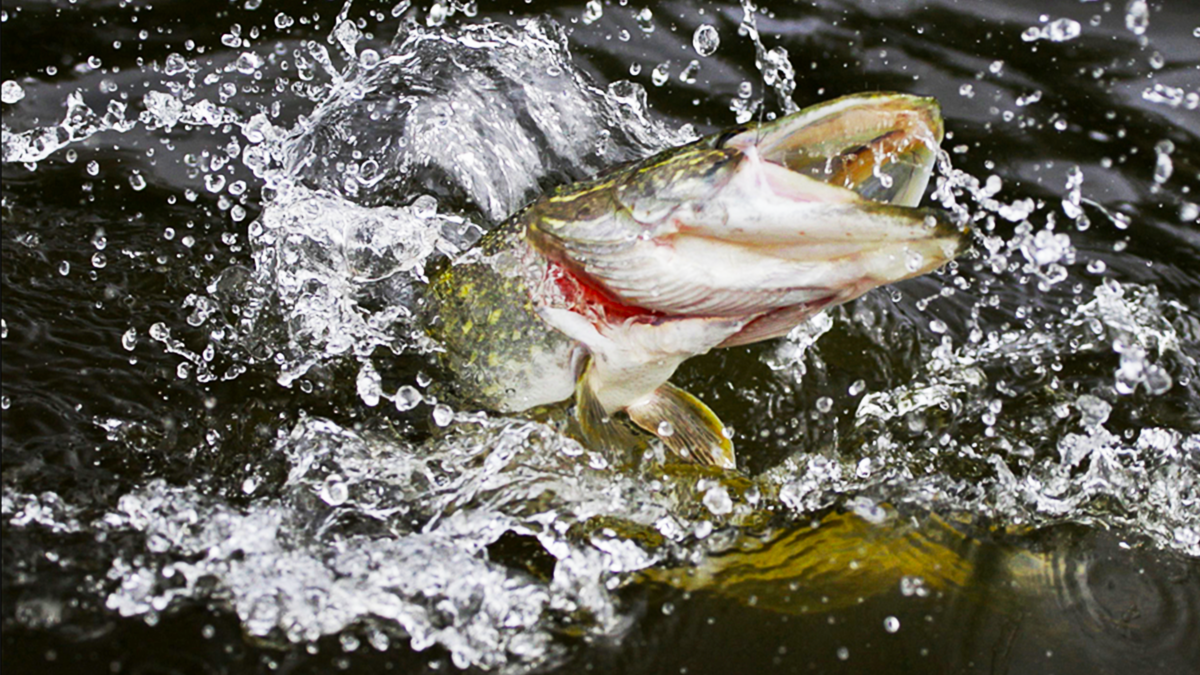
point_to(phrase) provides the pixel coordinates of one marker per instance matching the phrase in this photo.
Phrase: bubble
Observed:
(891, 624)
(843, 653)
(706, 39)
(11, 92)
(129, 339)
(665, 429)
(64, 268)
(137, 181)
(283, 21)
(824, 404)
(857, 388)
(98, 260)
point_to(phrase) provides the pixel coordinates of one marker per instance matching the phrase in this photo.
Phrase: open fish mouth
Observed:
(765, 224)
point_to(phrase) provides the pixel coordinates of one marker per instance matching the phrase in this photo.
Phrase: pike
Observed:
(601, 289)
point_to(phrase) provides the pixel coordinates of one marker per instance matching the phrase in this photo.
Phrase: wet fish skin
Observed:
(601, 289)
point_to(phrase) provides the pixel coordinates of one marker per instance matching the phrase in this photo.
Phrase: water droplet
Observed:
(93, 168)
(824, 404)
(705, 40)
(592, 11)
(857, 388)
(214, 182)
(717, 500)
(665, 429)
(129, 339)
(137, 181)
(283, 21)
(64, 268)
(334, 490)
(424, 207)
(437, 15)
(174, 64)
(1062, 30)
(442, 415)
(1189, 212)
(913, 260)
(843, 653)
(1163, 167)
(689, 73)
(98, 260)
(11, 92)
(407, 397)
(645, 20)
(1093, 411)
(368, 384)
(659, 75)
(891, 624)
(1137, 16)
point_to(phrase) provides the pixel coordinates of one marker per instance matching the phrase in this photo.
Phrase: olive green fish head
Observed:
(768, 222)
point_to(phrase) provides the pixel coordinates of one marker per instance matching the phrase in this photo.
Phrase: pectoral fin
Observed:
(685, 425)
(597, 427)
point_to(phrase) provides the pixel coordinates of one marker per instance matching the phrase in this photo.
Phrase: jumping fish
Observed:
(599, 290)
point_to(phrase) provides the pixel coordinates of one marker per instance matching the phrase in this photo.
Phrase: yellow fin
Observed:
(685, 425)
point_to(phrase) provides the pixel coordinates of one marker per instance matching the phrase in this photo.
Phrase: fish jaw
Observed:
(766, 222)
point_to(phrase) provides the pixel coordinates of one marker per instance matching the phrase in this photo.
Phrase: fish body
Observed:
(601, 289)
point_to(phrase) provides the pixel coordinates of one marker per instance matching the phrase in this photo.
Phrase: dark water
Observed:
(1002, 479)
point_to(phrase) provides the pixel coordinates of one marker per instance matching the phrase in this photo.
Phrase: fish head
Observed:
(765, 224)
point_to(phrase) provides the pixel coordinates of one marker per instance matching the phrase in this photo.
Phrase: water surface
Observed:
(227, 447)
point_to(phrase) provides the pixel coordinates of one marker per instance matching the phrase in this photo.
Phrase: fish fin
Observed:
(694, 434)
(599, 429)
